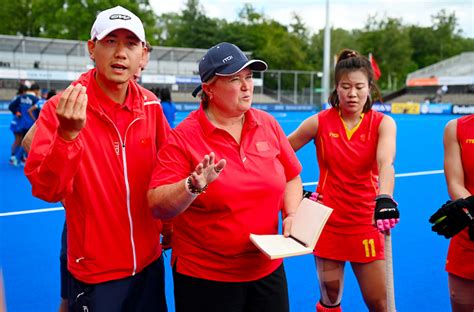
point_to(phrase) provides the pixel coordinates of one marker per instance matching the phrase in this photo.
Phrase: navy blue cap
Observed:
(225, 59)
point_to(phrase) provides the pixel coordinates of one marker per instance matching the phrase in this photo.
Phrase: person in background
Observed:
(36, 91)
(356, 148)
(143, 63)
(231, 150)
(23, 108)
(104, 115)
(440, 92)
(51, 93)
(14, 125)
(169, 109)
(455, 219)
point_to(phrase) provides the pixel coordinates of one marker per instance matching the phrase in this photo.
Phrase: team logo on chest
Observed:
(333, 135)
(469, 141)
(262, 146)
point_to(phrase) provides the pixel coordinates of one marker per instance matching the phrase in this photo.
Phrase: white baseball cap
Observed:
(117, 18)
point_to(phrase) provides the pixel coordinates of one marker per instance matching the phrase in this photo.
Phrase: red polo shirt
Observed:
(211, 238)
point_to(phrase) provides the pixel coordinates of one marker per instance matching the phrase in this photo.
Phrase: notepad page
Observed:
(309, 221)
(278, 246)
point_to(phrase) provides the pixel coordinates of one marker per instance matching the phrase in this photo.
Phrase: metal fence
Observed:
(54, 63)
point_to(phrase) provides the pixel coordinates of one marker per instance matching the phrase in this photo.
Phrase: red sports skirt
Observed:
(461, 255)
(363, 248)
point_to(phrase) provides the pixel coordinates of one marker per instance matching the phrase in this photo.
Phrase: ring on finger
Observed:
(217, 170)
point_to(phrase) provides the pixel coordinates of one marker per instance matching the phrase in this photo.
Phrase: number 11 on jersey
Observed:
(369, 247)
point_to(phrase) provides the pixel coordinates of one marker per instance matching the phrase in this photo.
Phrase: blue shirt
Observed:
(169, 109)
(22, 104)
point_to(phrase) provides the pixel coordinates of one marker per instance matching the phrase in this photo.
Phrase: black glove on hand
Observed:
(385, 208)
(453, 217)
(307, 194)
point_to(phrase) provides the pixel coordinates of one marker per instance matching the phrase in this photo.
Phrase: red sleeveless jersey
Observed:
(461, 248)
(348, 170)
(465, 135)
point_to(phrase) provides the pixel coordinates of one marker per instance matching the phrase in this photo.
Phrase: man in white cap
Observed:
(94, 150)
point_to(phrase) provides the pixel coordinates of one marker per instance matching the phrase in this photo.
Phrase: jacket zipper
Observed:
(127, 188)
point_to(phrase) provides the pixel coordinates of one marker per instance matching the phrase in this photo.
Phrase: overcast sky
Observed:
(347, 14)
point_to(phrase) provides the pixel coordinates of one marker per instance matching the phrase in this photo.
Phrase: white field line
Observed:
(419, 173)
(290, 120)
(23, 212)
(399, 175)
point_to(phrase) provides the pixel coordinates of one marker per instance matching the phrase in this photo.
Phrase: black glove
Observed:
(307, 194)
(385, 208)
(453, 217)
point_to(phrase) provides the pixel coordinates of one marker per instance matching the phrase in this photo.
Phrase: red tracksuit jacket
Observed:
(102, 180)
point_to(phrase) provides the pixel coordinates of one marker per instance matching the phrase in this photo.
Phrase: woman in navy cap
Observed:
(225, 172)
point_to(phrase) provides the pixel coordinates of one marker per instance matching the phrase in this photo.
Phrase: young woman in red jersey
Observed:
(456, 219)
(356, 149)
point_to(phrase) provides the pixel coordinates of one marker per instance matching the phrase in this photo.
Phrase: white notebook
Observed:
(307, 226)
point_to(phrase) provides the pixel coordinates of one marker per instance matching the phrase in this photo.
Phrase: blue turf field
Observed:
(30, 242)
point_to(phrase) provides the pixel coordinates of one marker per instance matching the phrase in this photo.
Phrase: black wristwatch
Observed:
(192, 189)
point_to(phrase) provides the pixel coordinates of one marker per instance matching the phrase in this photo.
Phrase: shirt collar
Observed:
(206, 125)
(251, 120)
(106, 102)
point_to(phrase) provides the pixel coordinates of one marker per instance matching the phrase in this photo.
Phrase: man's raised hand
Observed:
(71, 111)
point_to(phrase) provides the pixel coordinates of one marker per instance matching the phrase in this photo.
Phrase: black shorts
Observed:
(65, 275)
(268, 294)
(142, 292)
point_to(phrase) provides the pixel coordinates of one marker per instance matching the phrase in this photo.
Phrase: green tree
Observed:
(438, 42)
(192, 28)
(66, 19)
(246, 32)
(17, 18)
(167, 25)
(398, 48)
(300, 36)
(446, 34)
(266, 39)
(340, 39)
(271, 41)
(388, 40)
(298, 27)
(249, 15)
(425, 52)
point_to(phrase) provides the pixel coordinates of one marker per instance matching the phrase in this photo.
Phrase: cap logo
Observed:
(227, 59)
(120, 16)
